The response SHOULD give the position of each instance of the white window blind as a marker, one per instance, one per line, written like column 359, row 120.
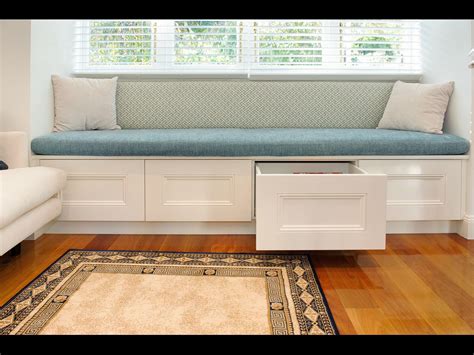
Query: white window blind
column 247, row 46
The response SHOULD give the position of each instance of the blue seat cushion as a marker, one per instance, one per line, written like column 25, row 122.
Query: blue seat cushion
column 248, row 142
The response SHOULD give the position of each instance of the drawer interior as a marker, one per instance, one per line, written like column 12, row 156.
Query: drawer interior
column 307, row 168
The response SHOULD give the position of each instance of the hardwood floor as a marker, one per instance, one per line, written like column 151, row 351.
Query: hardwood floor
column 421, row 284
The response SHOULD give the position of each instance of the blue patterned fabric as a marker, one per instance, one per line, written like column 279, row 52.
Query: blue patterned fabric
column 228, row 142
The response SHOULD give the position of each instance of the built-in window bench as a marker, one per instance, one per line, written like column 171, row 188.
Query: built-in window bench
column 296, row 188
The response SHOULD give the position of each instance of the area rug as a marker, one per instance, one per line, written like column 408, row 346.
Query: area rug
column 130, row 292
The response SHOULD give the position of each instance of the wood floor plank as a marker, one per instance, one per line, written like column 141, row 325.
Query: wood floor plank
column 17, row 272
column 457, row 293
column 421, row 284
column 432, row 308
column 459, row 269
column 101, row 243
column 467, row 244
column 370, row 321
column 395, row 308
column 343, row 323
column 353, row 285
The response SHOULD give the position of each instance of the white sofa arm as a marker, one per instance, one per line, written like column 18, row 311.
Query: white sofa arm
column 14, row 149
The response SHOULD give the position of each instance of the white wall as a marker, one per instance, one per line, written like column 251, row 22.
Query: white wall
column 468, row 224
column 445, row 48
column 51, row 53
column 30, row 51
column 15, row 75
column 33, row 50
column 1, row 75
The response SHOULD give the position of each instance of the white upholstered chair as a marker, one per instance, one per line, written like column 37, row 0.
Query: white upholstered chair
column 29, row 196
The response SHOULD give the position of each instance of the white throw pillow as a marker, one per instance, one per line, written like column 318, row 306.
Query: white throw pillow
column 84, row 104
column 417, row 107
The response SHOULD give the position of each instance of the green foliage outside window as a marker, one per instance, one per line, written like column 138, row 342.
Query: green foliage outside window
column 120, row 43
column 206, row 42
column 378, row 46
column 219, row 42
column 289, row 42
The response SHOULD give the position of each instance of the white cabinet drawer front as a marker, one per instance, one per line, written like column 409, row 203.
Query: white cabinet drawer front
column 102, row 190
column 198, row 190
column 335, row 206
column 315, row 212
column 420, row 189
column 207, row 190
column 95, row 190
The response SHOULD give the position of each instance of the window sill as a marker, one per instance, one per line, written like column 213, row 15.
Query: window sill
column 264, row 76
column 379, row 76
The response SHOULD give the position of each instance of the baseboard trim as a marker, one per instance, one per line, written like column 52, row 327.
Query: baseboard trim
column 466, row 229
column 422, row 227
column 94, row 227
column 152, row 228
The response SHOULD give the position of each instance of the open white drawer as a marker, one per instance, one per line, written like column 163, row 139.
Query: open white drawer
column 319, row 206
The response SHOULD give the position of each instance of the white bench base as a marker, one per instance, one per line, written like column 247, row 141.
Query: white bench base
column 215, row 195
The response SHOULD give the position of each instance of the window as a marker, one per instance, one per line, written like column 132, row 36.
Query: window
column 205, row 42
column 112, row 43
column 247, row 47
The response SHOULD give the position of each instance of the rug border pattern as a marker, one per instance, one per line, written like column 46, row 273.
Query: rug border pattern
column 312, row 311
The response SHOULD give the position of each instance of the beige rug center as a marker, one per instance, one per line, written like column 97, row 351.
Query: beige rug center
column 164, row 304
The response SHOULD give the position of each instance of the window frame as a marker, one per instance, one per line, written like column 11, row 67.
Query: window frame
column 163, row 69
